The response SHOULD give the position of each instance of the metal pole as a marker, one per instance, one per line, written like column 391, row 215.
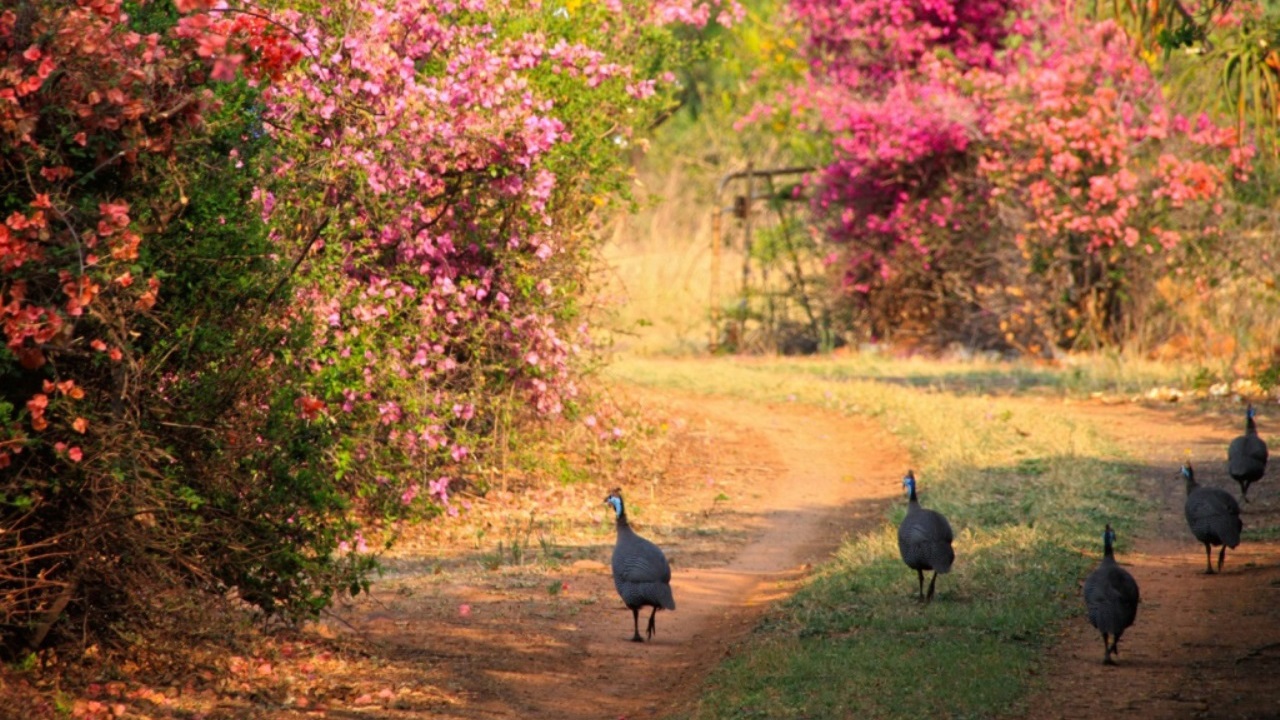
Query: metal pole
column 746, row 252
column 714, row 344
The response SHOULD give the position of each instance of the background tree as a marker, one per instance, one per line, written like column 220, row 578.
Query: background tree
column 1002, row 173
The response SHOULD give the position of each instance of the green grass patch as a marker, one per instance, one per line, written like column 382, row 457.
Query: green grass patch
column 855, row 642
column 1081, row 375
column 1263, row 533
column 1027, row 491
column 1108, row 373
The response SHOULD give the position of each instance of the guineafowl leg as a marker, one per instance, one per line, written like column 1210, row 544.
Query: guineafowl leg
column 1208, row 559
column 635, row 615
column 1106, row 650
column 1244, row 491
column 932, row 580
column 1222, row 555
column 920, row 574
column 652, row 628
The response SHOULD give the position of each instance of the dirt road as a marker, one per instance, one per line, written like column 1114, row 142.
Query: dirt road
column 785, row 484
column 751, row 498
column 1204, row 646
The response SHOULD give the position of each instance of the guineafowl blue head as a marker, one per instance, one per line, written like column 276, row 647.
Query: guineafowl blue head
column 1250, row 412
column 1187, row 473
column 1108, row 542
column 615, row 501
column 909, row 483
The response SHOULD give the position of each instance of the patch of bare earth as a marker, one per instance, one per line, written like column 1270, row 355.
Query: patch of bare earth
column 509, row 610
column 751, row 498
column 1203, row 646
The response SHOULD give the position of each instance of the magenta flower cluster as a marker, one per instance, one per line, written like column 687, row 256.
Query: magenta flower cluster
column 428, row 140
column 961, row 127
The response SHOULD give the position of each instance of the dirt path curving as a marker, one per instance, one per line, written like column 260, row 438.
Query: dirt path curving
column 752, row 496
column 509, row 611
column 1204, row 646
column 790, row 481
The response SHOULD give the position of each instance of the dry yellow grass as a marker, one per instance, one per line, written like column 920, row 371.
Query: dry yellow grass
column 1220, row 315
column 657, row 281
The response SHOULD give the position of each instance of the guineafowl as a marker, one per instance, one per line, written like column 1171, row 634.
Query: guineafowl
column 1111, row 596
column 924, row 539
column 640, row 570
column 1247, row 456
column 1214, row 517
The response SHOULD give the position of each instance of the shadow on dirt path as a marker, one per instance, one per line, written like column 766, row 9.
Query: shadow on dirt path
column 806, row 479
column 754, row 496
column 1204, row 646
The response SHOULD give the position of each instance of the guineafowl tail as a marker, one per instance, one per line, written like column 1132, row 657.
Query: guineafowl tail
column 941, row 560
column 662, row 594
column 1229, row 530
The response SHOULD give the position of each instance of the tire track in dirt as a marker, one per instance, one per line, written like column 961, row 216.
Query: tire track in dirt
column 1203, row 646
column 838, row 476
column 813, row 478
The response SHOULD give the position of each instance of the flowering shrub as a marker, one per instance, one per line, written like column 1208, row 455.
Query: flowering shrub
column 1000, row 170
column 439, row 210
column 134, row 280
column 270, row 267
column 1099, row 178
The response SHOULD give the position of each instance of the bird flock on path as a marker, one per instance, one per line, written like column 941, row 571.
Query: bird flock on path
column 642, row 575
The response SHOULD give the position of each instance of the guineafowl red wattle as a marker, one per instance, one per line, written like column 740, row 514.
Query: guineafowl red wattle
column 924, row 539
column 1214, row 517
column 1247, row 456
column 640, row 570
column 1111, row 597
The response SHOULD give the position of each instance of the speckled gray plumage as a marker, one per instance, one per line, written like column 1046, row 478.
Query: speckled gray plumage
column 1111, row 598
column 641, row 573
column 1247, row 456
column 924, row 539
column 1213, row 516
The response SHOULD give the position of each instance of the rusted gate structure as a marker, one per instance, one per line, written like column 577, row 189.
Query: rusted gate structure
column 756, row 185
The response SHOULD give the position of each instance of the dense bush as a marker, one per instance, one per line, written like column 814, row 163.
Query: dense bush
column 113, row 188
column 1001, row 173
column 272, row 271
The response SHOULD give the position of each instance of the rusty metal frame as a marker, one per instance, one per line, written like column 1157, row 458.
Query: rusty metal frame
column 742, row 204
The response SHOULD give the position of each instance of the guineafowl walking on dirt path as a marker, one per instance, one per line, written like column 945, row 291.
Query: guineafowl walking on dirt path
column 924, row 539
column 1111, row 597
column 1214, row 517
column 1247, row 456
column 640, row 570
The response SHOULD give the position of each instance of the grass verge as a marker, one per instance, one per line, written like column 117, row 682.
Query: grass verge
column 1027, row 493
